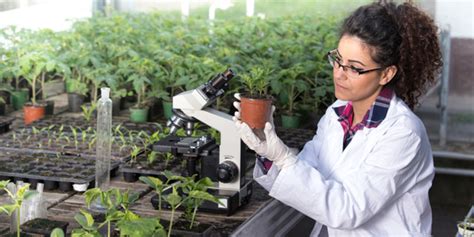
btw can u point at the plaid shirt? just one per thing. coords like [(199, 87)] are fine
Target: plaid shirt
[(372, 118)]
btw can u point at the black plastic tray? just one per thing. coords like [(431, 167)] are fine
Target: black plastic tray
[(141, 167), (40, 143), (67, 122), (5, 123), (42, 167)]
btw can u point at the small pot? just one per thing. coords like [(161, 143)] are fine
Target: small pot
[(50, 185), (33, 113), (255, 112), (139, 115), (130, 177), (65, 186), (19, 98), (2, 108), (74, 102), (290, 121), (167, 109), (49, 109), (116, 106)]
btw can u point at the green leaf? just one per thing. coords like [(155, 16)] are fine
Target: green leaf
[(204, 196), (57, 232), (114, 216), (84, 219), (20, 193), (151, 181), (91, 195), (9, 209), (4, 183), (205, 182), (141, 227), (173, 198)]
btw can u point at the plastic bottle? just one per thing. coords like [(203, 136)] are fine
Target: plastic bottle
[(36, 205), (104, 140)]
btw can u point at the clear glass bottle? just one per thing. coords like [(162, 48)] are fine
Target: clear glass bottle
[(104, 140)]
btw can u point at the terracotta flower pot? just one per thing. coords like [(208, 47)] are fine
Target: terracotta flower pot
[(33, 113), (255, 112)]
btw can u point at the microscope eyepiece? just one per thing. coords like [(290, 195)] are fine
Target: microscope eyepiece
[(216, 86)]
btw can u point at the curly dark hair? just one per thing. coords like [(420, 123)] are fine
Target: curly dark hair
[(403, 36)]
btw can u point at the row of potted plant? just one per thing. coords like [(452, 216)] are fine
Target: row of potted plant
[(154, 57)]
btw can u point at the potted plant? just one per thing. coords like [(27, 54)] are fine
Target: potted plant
[(140, 79), (11, 62), (76, 91), (172, 76), (79, 60), (256, 103), (47, 64), (290, 87), (31, 67), (118, 91)]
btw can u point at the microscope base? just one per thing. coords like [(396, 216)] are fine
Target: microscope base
[(232, 200)]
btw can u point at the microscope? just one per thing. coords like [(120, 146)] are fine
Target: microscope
[(225, 163)]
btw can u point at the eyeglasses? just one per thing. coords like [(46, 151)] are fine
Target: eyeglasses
[(351, 71)]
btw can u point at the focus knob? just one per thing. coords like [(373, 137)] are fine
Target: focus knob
[(227, 171)]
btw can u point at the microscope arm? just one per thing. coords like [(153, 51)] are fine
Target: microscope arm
[(230, 145)]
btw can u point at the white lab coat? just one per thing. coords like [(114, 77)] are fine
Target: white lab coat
[(377, 186)]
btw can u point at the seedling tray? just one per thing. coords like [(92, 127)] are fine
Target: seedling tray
[(79, 123), (24, 140), (44, 167), (5, 123), (141, 167), (43, 227)]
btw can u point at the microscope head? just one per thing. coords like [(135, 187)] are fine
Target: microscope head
[(217, 85), (197, 99)]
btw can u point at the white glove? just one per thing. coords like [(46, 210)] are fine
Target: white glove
[(272, 148)]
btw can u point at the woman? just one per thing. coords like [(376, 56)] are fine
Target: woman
[(369, 167)]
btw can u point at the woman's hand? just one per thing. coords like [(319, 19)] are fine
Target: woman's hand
[(272, 148)]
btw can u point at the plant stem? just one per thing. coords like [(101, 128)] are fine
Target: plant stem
[(171, 222), (192, 219), (108, 229), (18, 222)]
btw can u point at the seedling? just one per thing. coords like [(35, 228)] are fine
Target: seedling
[(22, 193), (35, 131), (113, 200), (91, 142), (193, 194), (74, 135), (84, 136), (151, 157), (168, 157), (134, 153), (157, 185), (87, 112)]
